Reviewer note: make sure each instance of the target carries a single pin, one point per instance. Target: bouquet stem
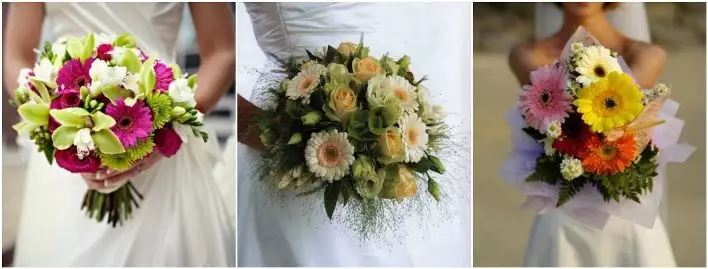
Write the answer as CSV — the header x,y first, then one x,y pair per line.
x,y
116,206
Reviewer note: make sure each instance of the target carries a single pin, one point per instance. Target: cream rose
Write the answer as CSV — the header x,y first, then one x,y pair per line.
x,y
347,48
390,146
366,68
400,184
342,102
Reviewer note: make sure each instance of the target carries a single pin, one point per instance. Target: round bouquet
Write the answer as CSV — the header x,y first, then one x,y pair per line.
x,y
99,102
592,129
353,127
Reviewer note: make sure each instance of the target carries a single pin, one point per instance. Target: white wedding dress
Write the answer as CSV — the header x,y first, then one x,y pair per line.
x,y
558,239
297,232
183,219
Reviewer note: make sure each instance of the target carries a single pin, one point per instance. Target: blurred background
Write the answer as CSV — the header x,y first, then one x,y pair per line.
x,y
221,120
501,229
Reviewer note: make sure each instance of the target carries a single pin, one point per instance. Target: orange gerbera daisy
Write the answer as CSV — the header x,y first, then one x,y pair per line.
x,y
604,157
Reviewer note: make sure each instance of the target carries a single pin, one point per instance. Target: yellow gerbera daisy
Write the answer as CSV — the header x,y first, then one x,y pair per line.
x,y
610,102
596,62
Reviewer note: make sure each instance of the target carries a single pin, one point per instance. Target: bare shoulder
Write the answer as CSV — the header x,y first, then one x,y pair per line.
x,y
526,57
646,62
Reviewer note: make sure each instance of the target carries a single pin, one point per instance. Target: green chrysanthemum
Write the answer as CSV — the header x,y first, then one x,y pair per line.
x,y
123,161
161,106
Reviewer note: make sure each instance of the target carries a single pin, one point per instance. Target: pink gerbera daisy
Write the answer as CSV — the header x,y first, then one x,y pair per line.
x,y
73,74
545,100
132,123
163,76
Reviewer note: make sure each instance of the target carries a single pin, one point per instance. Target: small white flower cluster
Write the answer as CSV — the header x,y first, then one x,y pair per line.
x,y
571,168
553,131
652,94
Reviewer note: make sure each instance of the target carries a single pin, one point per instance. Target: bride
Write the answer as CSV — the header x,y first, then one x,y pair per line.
x,y
557,239
298,232
183,219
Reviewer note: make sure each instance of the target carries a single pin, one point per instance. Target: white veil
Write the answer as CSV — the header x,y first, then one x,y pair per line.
x,y
629,18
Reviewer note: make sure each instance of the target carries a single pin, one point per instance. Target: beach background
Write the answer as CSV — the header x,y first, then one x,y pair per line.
x,y
500,228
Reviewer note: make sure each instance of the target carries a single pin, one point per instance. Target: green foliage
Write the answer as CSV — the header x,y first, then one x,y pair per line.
x,y
533,133
125,160
331,195
161,106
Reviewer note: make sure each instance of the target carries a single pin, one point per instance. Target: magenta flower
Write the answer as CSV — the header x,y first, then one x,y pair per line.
x,y
103,52
66,99
69,160
132,123
73,75
163,76
167,141
545,100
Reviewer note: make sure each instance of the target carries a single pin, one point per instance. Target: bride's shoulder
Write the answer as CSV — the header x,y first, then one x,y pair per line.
x,y
640,51
645,60
529,56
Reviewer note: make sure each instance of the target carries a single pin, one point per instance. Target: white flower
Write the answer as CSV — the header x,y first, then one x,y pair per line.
x,y
59,49
84,142
553,129
423,95
594,63
103,75
46,72
431,114
24,78
294,178
103,38
199,117
183,131
415,138
328,155
130,82
438,129
378,92
304,83
577,48
571,168
405,92
661,89
180,92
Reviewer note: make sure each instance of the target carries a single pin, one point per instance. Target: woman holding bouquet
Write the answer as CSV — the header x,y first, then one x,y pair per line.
x,y
182,220
558,239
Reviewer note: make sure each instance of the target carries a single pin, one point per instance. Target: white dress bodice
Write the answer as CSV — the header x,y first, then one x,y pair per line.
x,y
155,25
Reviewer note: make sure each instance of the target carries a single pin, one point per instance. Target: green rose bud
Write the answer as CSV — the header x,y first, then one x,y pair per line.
x,y
363,167
338,73
390,66
371,185
311,118
296,138
178,111
438,167
433,189
268,137
404,62
284,85
381,118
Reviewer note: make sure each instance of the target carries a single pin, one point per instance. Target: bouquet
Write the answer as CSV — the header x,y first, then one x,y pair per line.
x,y
99,102
593,129
353,127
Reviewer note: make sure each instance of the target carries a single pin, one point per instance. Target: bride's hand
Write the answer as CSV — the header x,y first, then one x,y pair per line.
x,y
106,180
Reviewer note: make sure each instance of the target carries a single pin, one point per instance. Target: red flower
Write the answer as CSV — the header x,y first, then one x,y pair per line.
x,y
103,52
167,141
69,160
574,137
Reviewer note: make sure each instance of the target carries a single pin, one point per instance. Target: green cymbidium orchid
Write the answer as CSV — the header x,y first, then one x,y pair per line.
x,y
34,113
74,119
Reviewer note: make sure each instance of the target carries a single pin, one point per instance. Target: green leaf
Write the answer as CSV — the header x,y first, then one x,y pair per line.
x,y
331,196
49,153
102,121
63,137
131,61
37,114
107,142
24,127
192,81
74,116
176,71
124,40
533,133
88,47
74,47
433,188
147,75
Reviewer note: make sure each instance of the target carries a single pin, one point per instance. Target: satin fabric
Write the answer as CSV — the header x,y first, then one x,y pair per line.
x,y
297,232
183,219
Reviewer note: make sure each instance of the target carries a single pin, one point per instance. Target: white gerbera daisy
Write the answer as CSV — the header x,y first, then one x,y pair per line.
x,y
596,62
405,92
329,155
571,168
304,83
423,95
415,139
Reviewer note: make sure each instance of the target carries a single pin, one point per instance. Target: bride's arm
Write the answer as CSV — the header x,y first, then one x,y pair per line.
x,y
647,63
247,111
521,62
22,36
214,25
